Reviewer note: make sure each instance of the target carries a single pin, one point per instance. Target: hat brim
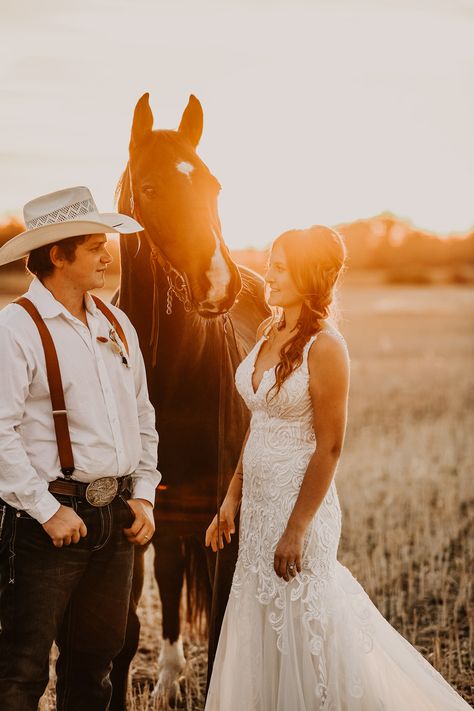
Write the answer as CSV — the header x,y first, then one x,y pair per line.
x,y
105,222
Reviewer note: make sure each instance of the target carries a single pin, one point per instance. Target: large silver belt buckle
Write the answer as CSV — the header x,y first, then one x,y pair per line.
x,y
102,491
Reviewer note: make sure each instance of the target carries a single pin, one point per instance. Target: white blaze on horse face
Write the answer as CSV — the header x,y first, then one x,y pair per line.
x,y
218,274
185,168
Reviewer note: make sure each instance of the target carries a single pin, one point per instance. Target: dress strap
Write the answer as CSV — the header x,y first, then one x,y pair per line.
x,y
314,337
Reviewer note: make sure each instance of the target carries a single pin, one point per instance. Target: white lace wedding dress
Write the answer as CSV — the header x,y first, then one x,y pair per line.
x,y
316,643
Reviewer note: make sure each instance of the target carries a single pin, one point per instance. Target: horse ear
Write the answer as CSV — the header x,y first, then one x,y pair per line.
x,y
142,121
192,121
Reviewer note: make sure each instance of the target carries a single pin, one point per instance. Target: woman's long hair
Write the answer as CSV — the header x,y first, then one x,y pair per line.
x,y
315,258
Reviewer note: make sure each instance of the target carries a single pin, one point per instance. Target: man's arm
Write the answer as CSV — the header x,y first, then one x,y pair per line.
x,y
20,485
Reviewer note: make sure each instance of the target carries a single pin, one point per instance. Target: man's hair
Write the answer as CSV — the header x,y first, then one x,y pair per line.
x,y
39,263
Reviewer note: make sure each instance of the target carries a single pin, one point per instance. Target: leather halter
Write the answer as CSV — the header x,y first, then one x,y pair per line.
x,y
177,281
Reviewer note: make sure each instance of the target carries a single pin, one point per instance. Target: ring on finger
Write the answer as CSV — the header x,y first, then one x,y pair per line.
x,y
291,566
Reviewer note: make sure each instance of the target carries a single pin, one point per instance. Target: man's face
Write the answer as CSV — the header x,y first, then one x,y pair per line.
x,y
91,258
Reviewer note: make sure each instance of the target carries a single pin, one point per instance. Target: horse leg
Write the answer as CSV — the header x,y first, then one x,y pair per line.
x,y
121,663
169,574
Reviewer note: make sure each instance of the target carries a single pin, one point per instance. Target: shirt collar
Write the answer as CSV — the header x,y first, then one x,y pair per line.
x,y
48,306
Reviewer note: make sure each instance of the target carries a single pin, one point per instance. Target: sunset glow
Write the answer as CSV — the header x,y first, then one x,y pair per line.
x,y
314,111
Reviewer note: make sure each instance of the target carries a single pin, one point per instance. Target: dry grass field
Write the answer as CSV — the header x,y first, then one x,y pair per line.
x,y
405,480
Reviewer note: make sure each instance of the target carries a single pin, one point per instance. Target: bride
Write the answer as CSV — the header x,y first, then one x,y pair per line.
x,y
299,632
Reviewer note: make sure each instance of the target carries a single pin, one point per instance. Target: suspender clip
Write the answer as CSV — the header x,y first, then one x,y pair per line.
x,y
67,471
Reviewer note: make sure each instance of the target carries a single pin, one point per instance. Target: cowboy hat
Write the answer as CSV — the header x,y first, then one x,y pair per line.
x,y
56,216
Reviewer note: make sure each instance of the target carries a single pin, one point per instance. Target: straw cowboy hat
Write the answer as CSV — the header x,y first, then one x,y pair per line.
x,y
56,216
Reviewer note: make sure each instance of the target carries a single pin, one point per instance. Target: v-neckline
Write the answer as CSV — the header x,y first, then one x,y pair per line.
x,y
258,348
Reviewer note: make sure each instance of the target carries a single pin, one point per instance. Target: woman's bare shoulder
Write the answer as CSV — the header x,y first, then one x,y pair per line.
x,y
329,352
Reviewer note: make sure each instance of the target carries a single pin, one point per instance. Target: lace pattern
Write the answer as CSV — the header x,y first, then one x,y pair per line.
x,y
280,445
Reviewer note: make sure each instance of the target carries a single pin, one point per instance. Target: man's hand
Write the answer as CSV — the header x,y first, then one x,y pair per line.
x,y
143,527
65,527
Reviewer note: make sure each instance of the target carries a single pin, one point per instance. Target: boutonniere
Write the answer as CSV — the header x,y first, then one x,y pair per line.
x,y
115,345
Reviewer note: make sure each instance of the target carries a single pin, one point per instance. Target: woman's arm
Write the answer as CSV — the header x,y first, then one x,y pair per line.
x,y
328,364
234,491
225,526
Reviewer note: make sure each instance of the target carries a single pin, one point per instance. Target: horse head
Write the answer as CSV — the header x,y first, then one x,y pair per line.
x,y
174,196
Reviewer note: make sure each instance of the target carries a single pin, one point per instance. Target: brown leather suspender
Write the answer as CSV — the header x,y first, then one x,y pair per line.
x,y
56,391
55,384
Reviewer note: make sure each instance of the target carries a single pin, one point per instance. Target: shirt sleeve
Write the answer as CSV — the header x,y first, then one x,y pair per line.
x,y
20,485
146,476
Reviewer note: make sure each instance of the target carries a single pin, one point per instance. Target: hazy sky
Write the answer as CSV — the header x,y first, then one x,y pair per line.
x,y
318,111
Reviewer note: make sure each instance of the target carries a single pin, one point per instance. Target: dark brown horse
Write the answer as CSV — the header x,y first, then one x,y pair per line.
x,y
179,286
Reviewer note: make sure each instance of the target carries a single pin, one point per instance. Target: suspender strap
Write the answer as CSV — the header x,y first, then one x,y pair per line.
x,y
53,372
111,317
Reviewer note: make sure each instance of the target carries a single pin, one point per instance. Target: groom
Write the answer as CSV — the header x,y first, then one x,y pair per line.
x,y
78,456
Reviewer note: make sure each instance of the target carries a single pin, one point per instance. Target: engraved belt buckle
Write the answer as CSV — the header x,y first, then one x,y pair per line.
x,y
102,491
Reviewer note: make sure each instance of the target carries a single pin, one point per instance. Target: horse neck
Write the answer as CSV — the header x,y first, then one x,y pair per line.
x,y
144,298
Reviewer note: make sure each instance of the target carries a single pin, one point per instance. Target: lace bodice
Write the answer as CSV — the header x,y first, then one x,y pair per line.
x,y
291,403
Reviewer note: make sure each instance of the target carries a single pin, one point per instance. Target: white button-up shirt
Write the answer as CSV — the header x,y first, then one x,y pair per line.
x,y
111,420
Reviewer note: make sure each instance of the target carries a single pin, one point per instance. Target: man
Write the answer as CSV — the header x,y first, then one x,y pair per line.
x,y
78,456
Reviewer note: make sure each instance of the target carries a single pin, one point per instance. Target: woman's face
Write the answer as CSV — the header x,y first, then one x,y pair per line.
x,y
282,290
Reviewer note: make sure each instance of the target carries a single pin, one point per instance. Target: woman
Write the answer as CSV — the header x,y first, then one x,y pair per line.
x,y
299,633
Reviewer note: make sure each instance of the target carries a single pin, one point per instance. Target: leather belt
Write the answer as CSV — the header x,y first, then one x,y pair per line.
x,y
98,493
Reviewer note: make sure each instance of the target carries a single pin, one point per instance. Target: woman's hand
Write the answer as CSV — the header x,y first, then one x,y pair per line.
x,y
288,554
225,525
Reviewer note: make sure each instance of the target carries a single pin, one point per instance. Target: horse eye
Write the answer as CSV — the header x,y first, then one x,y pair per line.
x,y
149,191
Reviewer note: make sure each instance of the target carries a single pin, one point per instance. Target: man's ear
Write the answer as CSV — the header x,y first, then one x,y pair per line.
x,y
56,256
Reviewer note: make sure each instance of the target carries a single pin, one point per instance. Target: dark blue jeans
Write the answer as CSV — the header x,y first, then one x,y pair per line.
x,y
77,595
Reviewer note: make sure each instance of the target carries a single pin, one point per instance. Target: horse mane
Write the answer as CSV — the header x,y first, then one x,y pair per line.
x,y
122,194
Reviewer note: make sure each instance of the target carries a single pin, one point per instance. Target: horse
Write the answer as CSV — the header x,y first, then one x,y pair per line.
x,y
196,314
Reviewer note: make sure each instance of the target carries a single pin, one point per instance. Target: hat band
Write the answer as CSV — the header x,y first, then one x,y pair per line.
x,y
64,214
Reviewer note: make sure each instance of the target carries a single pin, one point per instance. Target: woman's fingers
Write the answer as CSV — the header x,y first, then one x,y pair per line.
x,y
292,570
298,562
210,532
287,567
278,565
218,530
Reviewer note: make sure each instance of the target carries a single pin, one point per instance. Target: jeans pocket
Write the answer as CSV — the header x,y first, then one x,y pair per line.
x,y
131,516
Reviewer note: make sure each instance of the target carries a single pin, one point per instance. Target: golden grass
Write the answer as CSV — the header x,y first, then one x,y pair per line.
x,y
405,481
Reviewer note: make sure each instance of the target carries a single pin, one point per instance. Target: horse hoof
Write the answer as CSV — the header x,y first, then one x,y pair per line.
x,y
167,697
171,663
